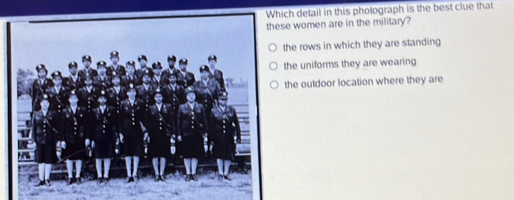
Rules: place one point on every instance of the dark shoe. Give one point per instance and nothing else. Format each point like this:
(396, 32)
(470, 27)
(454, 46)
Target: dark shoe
(106, 180)
(245, 171)
(135, 179)
(41, 183)
(188, 177)
(47, 182)
(220, 177)
(161, 178)
(194, 177)
(69, 181)
(79, 180)
(227, 177)
(129, 179)
(100, 180)
(157, 178)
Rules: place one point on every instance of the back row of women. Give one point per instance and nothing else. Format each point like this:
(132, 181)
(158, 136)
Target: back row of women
(115, 110)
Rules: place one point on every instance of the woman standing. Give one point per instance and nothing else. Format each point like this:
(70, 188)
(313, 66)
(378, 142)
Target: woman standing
(161, 125)
(103, 139)
(192, 127)
(74, 145)
(44, 124)
(224, 125)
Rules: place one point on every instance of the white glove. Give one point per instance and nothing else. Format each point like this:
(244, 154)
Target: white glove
(63, 145)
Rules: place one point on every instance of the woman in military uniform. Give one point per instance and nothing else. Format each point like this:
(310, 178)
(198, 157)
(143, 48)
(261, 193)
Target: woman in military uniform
(161, 124)
(104, 138)
(224, 126)
(207, 90)
(192, 127)
(45, 129)
(39, 86)
(133, 131)
(74, 137)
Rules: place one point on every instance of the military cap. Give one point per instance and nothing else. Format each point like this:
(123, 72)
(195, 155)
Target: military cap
(131, 87)
(72, 93)
(156, 65)
(182, 61)
(223, 95)
(142, 57)
(87, 76)
(204, 68)
(73, 64)
(86, 57)
(56, 74)
(158, 91)
(45, 97)
(189, 90)
(132, 63)
(101, 63)
(172, 73)
(102, 94)
(147, 73)
(212, 57)
(115, 54)
(115, 75)
(172, 58)
(40, 66)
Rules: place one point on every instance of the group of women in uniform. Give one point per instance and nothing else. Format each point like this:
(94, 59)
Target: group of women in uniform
(114, 110)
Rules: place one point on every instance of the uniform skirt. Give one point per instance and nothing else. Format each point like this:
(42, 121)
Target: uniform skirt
(224, 147)
(134, 145)
(159, 145)
(46, 153)
(104, 149)
(75, 151)
(192, 146)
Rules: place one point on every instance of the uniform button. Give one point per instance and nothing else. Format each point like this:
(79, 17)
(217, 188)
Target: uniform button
(160, 128)
(75, 123)
(132, 114)
(74, 128)
(223, 126)
(132, 119)
(104, 126)
(223, 121)
(103, 131)
(224, 131)
(192, 126)
(133, 124)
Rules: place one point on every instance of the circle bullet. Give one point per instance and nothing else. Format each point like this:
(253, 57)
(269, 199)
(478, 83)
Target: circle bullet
(273, 84)
(273, 65)
(272, 47)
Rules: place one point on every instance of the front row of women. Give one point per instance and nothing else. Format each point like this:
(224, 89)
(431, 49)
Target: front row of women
(156, 125)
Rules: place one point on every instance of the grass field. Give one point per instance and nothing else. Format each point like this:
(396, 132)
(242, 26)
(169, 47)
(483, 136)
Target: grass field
(208, 187)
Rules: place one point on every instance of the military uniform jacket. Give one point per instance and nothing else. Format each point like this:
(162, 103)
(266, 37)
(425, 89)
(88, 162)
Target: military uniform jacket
(206, 94)
(72, 83)
(45, 128)
(186, 80)
(218, 77)
(166, 73)
(128, 79)
(102, 82)
(131, 116)
(175, 96)
(92, 72)
(58, 99)
(37, 91)
(88, 99)
(141, 71)
(114, 97)
(191, 120)
(160, 122)
(146, 94)
(105, 127)
(224, 122)
(74, 122)
(119, 69)
(158, 82)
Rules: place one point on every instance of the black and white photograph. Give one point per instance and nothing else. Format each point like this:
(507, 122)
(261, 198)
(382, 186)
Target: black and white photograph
(134, 108)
